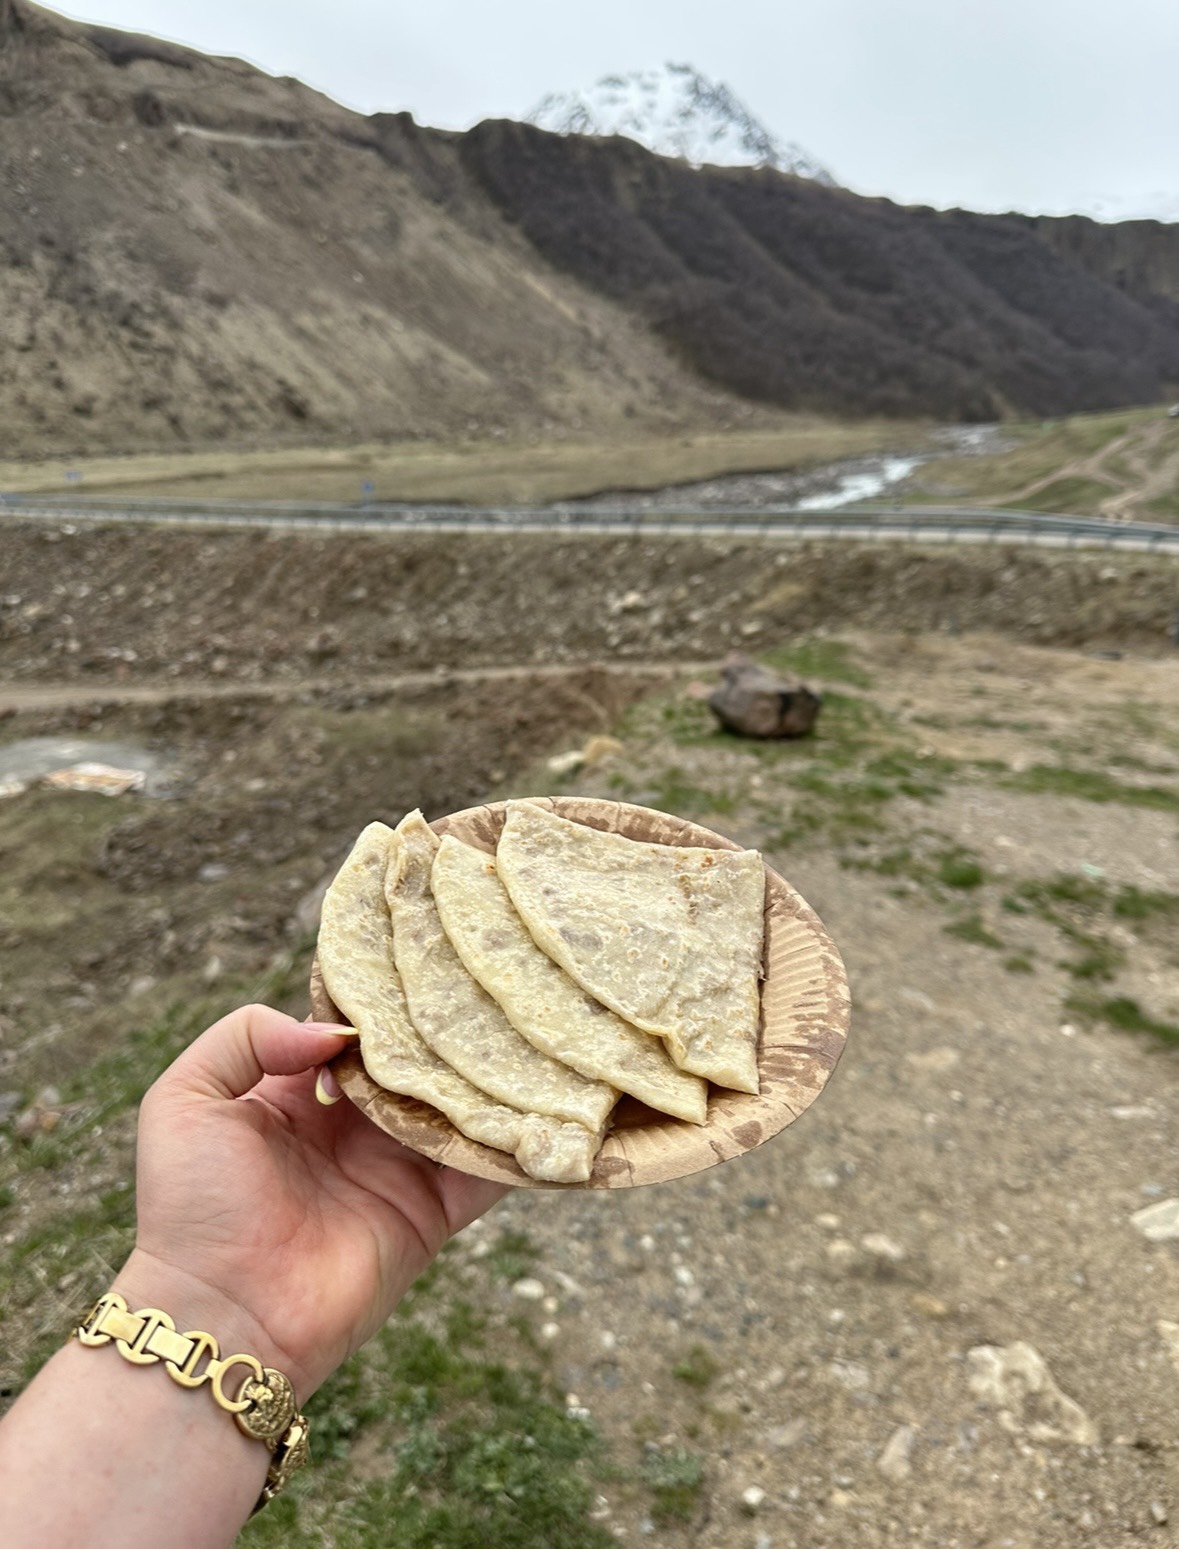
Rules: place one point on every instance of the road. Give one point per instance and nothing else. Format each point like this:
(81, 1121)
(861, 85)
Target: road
(914, 524)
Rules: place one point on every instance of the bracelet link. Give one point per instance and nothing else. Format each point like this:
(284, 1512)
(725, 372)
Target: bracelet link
(184, 1371)
(264, 1408)
(135, 1349)
(91, 1330)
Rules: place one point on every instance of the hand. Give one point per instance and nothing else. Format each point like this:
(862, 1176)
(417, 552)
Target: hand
(297, 1224)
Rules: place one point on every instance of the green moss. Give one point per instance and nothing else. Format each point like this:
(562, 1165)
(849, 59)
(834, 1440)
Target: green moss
(959, 868)
(971, 928)
(676, 1479)
(1125, 1014)
(697, 1368)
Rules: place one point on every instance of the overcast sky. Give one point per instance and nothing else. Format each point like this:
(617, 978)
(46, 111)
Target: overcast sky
(1041, 105)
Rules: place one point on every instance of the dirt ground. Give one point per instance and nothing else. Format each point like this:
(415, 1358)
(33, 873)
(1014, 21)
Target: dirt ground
(987, 826)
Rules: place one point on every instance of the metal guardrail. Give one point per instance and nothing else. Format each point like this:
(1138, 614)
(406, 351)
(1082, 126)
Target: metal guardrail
(914, 524)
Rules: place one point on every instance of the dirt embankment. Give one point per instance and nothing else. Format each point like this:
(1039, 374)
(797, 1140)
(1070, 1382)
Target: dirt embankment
(117, 605)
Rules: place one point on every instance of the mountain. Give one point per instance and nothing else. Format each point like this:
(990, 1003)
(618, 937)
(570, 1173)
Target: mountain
(675, 112)
(195, 253)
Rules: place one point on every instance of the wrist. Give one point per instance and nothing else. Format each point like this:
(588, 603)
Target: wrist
(192, 1302)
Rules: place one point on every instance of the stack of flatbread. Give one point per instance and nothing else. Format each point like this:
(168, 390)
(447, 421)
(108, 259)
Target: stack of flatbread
(521, 993)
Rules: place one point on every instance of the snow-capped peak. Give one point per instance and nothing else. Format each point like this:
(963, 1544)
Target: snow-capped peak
(675, 111)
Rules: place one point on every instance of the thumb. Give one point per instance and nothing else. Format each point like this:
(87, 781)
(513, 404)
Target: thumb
(231, 1058)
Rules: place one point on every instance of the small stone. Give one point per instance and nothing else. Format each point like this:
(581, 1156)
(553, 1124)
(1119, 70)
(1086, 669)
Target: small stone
(1158, 1513)
(782, 1437)
(1132, 1111)
(852, 1375)
(1158, 1223)
(753, 1498)
(550, 1304)
(936, 1060)
(883, 1249)
(763, 1541)
(1015, 1381)
(828, 1222)
(841, 1499)
(930, 1306)
(841, 1254)
(48, 1097)
(212, 871)
(529, 1290)
(9, 1103)
(549, 1332)
(142, 985)
(684, 1276)
(918, 999)
(894, 1461)
(608, 1340)
(1169, 1334)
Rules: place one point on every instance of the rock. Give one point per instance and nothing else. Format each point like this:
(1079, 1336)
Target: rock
(894, 1461)
(1169, 1334)
(841, 1254)
(1015, 1381)
(884, 1250)
(918, 999)
(753, 1498)
(930, 1306)
(1158, 1513)
(529, 1290)
(782, 1437)
(754, 702)
(936, 1060)
(212, 871)
(853, 1376)
(1158, 1223)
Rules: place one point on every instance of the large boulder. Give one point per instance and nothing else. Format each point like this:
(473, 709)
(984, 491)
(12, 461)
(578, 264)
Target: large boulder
(755, 702)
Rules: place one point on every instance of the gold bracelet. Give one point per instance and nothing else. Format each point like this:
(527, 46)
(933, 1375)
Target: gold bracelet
(263, 1407)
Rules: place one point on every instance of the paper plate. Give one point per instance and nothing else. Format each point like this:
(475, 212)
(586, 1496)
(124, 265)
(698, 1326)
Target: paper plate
(805, 1010)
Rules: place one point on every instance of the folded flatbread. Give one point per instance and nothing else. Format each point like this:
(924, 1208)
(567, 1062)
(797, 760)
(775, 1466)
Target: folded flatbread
(540, 1000)
(457, 1017)
(356, 960)
(670, 938)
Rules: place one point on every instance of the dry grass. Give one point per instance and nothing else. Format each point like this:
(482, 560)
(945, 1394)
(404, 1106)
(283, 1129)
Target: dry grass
(476, 472)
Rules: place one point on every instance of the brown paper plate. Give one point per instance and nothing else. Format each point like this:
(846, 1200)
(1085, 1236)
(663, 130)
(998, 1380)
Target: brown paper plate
(805, 1010)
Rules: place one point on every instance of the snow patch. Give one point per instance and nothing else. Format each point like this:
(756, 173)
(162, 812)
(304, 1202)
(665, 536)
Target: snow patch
(676, 112)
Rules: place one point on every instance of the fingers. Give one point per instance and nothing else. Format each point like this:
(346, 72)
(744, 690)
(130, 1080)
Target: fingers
(234, 1054)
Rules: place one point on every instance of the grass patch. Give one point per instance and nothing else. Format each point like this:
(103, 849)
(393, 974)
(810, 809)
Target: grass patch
(1073, 496)
(512, 1256)
(973, 929)
(829, 661)
(676, 1479)
(673, 793)
(1125, 1014)
(697, 1368)
(477, 1454)
(960, 869)
(1090, 785)
(1020, 963)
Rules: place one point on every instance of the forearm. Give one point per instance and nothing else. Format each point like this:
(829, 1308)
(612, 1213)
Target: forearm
(102, 1454)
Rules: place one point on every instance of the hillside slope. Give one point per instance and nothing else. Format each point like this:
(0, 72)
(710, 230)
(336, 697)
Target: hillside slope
(193, 252)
